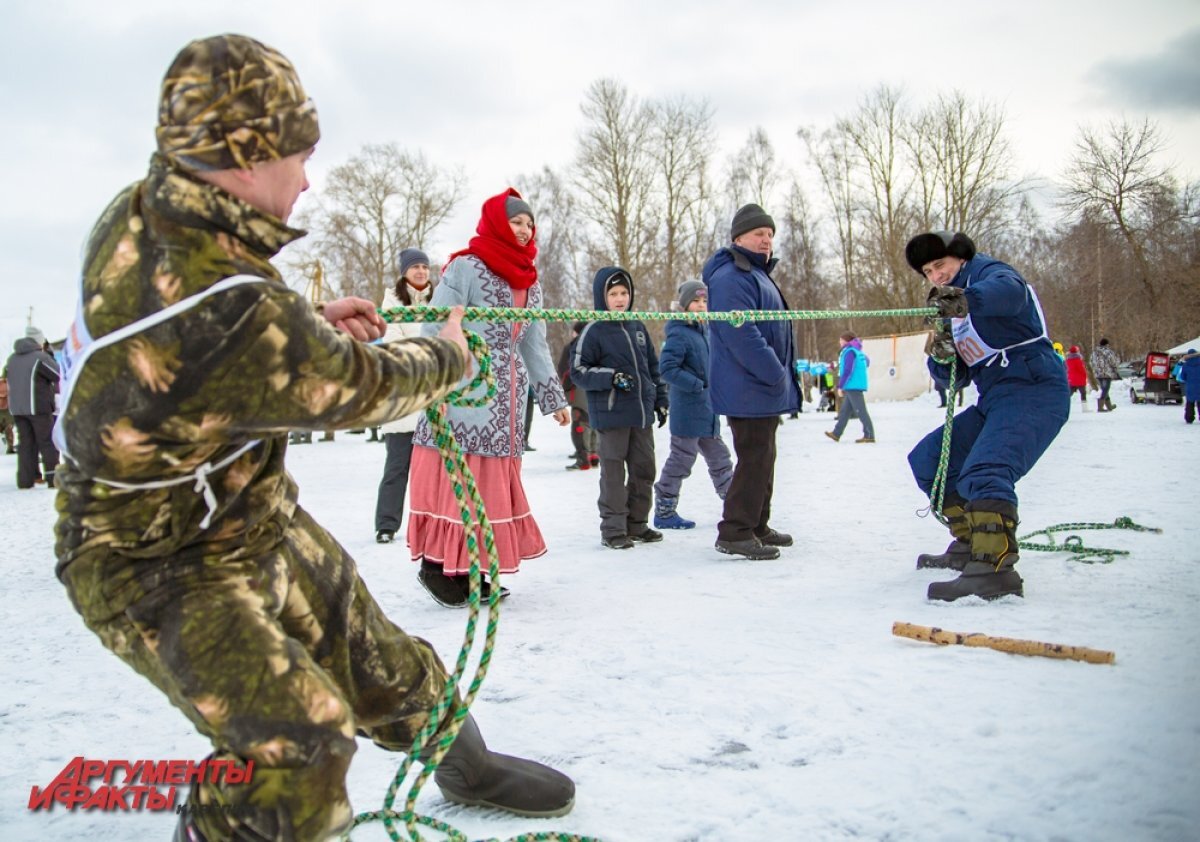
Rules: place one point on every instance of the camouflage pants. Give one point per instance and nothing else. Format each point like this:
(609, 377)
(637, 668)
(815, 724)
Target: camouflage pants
(280, 658)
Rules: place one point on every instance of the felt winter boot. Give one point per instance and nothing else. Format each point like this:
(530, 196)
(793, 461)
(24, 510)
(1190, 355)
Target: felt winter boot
(989, 572)
(1109, 404)
(472, 774)
(959, 551)
(665, 516)
(1100, 407)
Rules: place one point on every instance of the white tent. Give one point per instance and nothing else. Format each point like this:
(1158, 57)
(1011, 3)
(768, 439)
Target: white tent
(1182, 349)
(897, 371)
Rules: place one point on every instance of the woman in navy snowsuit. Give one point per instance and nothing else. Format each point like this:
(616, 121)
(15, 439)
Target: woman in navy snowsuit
(995, 335)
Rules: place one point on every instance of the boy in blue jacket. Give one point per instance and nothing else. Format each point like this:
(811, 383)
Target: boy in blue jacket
(616, 365)
(695, 428)
(995, 335)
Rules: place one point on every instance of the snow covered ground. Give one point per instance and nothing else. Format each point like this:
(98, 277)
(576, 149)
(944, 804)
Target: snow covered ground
(695, 697)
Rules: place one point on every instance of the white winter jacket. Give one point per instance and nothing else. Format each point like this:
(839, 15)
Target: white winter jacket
(404, 330)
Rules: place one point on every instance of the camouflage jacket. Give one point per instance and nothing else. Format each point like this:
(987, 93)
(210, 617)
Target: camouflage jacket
(247, 363)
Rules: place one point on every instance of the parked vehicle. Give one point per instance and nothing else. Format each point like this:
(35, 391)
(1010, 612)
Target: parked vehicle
(1152, 381)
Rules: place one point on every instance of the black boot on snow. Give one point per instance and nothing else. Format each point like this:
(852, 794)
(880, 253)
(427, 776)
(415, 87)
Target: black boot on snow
(452, 591)
(472, 774)
(989, 572)
(959, 551)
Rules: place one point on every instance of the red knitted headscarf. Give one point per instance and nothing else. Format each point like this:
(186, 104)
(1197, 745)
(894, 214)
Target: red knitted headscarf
(497, 246)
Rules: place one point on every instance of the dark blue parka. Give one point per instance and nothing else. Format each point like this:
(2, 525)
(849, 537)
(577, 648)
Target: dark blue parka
(751, 365)
(1189, 375)
(603, 349)
(1023, 397)
(684, 366)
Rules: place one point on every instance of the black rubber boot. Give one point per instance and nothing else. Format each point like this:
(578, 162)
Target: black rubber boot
(989, 572)
(452, 591)
(959, 551)
(472, 774)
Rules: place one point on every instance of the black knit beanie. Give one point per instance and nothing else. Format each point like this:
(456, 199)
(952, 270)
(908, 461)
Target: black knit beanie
(748, 218)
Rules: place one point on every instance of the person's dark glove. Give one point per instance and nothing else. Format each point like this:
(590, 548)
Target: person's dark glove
(661, 412)
(951, 302)
(622, 381)
(940, 344)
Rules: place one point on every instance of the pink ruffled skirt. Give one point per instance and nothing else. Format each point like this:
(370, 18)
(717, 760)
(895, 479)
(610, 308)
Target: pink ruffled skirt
(435, 529)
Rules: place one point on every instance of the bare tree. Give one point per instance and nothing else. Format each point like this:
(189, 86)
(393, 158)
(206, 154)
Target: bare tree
(1113, 176)
(614, 171)
(562, 254)
(875, 133)
(682, 142)
(833, 156)
(382, 200)
(754, 172)
(963, 164)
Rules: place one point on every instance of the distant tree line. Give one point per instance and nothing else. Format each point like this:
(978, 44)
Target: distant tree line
(647, 190)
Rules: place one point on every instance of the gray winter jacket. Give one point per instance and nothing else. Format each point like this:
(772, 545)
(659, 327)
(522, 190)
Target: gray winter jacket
(520, 361)
(32, 379)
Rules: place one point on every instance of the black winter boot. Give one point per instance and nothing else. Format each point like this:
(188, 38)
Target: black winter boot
(959, 551)
(472, 774)
(989, 572)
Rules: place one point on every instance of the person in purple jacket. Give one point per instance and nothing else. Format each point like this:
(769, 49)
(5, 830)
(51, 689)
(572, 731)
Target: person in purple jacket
(751, 380)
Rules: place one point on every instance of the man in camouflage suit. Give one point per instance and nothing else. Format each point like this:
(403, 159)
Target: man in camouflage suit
(179, 537)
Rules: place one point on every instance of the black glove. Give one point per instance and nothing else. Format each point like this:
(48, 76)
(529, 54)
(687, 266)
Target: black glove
(940, 344)
(622, 381)
(950, 301)
(661, 412)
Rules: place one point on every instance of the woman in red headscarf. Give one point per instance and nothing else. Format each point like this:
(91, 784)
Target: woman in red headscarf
(495, 270)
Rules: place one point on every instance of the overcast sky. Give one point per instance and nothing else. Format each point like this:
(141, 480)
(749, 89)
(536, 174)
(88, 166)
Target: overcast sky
(496, 87)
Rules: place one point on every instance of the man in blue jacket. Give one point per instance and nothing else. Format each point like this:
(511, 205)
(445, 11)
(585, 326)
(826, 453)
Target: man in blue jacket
(751, 380)
(1189, 376)
(994, 334)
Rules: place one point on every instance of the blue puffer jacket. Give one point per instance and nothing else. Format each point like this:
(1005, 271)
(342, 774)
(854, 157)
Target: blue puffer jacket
(605, 348)
(684, 366)
(1189, 375)
(751, 365)
(852, 367)
(1003, 310)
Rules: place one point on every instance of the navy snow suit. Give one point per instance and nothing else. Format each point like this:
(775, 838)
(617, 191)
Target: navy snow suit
(1023, 397)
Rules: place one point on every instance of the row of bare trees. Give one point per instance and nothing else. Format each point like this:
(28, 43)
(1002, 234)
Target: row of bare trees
(646, 191)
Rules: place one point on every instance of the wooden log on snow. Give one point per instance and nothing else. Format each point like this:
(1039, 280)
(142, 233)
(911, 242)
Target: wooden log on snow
(1003, 644)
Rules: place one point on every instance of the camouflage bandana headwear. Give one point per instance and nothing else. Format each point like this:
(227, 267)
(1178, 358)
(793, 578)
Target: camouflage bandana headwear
(228, 102)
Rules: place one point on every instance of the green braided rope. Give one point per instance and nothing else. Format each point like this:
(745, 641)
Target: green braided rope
(938, 492)
(472, 512)
(426, 313)
(1074, 544)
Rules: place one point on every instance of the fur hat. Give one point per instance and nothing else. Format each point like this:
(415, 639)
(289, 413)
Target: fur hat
(229, 102)
(688, 291)
(748, 218)
(926, 248)
(411, 257)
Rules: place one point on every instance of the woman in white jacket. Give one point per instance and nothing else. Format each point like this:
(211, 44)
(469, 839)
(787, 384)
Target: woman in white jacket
(413, 287)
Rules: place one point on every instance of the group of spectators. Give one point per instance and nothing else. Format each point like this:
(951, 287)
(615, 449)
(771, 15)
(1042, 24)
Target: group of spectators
(180, 538)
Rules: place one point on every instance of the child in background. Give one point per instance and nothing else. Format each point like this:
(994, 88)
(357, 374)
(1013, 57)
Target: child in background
(616, 364)
(1077, 376)
(695, 428)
